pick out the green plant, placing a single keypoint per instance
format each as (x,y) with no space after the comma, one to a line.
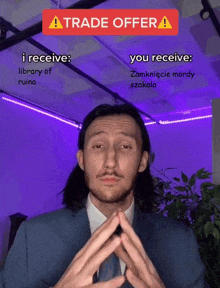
(198,205)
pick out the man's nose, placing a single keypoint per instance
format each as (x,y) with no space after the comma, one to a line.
(110,158)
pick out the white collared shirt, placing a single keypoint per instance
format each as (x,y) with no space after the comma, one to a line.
(96,218)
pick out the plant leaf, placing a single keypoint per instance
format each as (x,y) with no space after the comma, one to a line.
(192,180)
(169,196)
(217,196)
(184,177)
(180,188)
(195,197)
(209,228)
(206,185)
(216,234)
(200,172)
(204,176)
(200,219)
(167,185)
(176,179)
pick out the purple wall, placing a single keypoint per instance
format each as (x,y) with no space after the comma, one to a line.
(186,146)
(36,157)
(38,153)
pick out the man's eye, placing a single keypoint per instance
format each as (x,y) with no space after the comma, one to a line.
(98,146)
(126,147)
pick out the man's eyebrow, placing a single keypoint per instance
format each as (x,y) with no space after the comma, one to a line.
(121,132)
(97,133)
(127,134)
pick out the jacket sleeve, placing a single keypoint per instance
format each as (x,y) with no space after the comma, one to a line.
(16,263)
(195,263)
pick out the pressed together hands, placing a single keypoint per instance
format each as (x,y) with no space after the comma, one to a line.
(140,270)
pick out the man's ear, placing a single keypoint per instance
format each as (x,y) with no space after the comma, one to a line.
(144,160)
(79,156)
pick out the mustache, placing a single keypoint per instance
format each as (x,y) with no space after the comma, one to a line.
(114,173)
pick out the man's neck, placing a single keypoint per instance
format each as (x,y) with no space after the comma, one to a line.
(109,208)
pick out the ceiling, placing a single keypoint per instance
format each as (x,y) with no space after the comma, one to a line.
(106,59)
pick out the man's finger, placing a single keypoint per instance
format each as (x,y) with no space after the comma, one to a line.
(142,268)
(95,261)
(128,229)
(113,283)
(134,280)
(123,255)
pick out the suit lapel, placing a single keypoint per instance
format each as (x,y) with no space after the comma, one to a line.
(80,230)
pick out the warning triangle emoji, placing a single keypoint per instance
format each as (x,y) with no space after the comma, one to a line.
(164,24)
(55,24)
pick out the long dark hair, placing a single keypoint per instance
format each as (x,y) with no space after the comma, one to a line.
(75,192)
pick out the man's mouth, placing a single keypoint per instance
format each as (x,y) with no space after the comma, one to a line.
(110,180)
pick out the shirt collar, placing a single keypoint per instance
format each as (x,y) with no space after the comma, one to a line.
(96,217)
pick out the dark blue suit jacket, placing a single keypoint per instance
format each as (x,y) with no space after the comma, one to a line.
(44,247)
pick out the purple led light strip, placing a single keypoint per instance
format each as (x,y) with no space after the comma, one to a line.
(42,112)
(181,120)
(79,126)
(185,120)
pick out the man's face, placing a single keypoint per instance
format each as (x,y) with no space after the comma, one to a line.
(112,157)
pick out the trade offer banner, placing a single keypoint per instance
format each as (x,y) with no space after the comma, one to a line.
(110,22)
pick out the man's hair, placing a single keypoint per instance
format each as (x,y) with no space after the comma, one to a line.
(75,192)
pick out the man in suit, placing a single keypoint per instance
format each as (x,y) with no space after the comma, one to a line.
(110,189)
